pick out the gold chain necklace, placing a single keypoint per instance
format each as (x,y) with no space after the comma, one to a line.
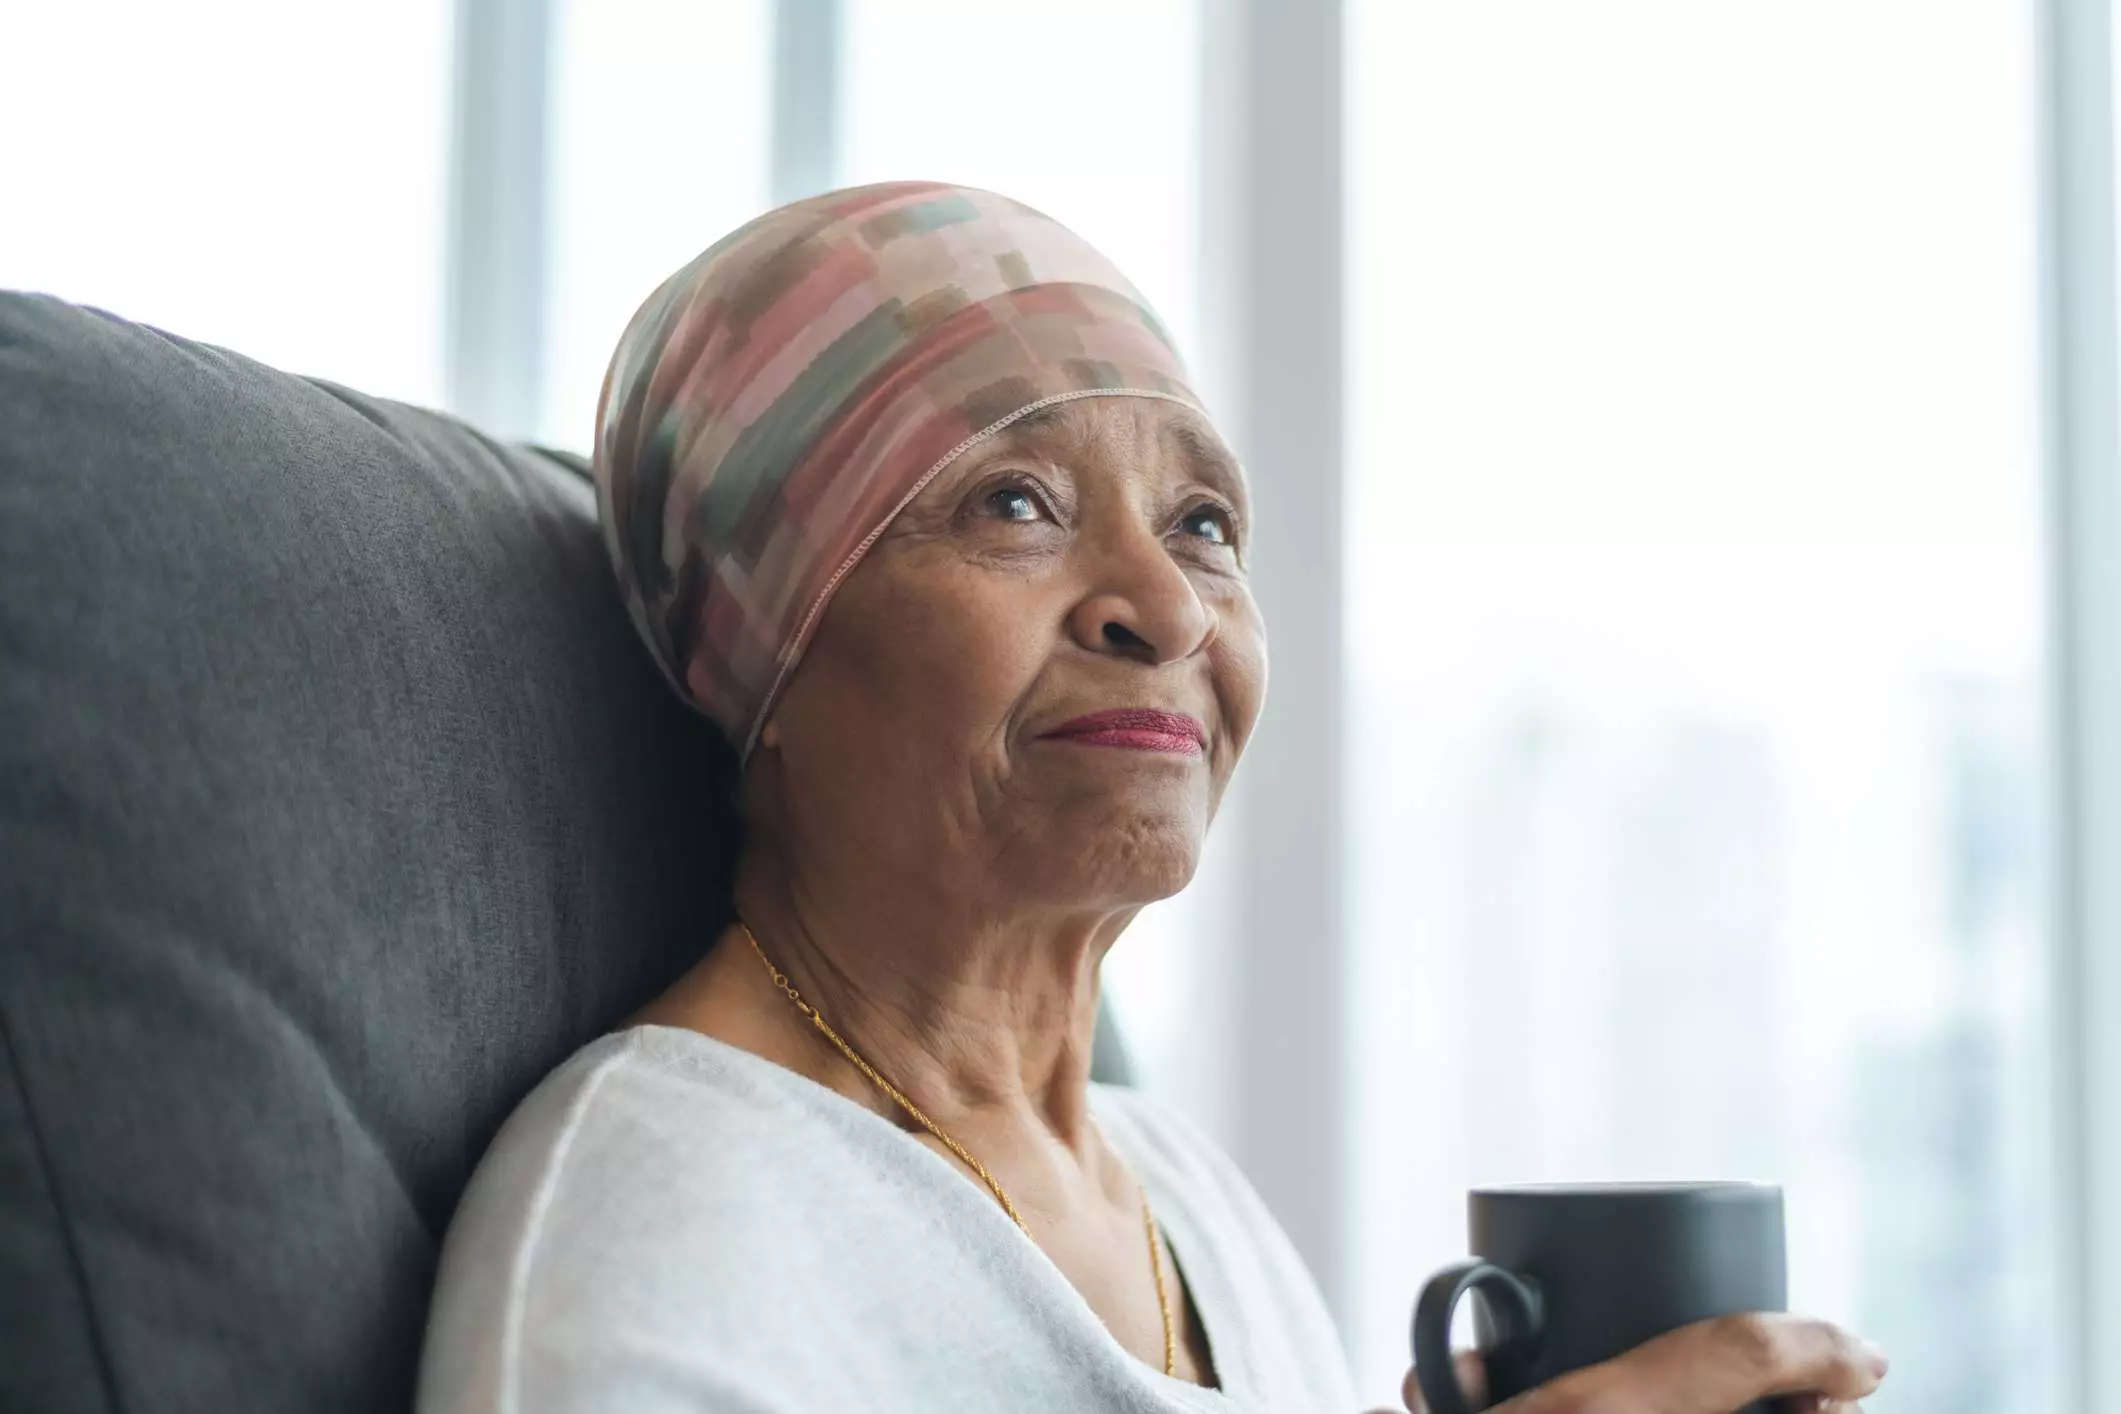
(810,1014)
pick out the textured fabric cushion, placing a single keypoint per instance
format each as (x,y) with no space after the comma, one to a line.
(338,803)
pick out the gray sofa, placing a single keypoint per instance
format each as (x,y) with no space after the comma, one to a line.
(337,804)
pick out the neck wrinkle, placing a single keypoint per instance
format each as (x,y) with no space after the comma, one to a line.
(980,1021)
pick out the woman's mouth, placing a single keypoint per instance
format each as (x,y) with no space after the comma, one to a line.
(1136,729)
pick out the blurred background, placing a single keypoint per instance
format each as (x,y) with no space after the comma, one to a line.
(1684,441)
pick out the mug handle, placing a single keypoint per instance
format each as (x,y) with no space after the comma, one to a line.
(1516,1308)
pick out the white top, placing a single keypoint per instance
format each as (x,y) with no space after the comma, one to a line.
(669,1223)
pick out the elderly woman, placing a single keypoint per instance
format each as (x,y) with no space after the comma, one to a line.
(907,492)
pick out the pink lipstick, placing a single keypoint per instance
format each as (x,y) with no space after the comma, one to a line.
(1136,729)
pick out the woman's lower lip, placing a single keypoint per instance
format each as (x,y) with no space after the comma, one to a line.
(1135,739)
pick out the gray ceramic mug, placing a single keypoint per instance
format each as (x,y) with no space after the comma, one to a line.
(1571,1276)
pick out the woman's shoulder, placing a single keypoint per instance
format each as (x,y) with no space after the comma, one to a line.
(639,1199)
(644,1141)
(649,1114)
(642,1088)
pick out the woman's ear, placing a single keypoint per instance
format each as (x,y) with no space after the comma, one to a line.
(770,734)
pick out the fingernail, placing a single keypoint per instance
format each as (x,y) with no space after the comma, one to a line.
(1875,1358)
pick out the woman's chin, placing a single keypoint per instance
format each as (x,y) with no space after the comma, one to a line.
(1133,857)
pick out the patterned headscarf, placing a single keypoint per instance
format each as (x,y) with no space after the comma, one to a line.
(777,401)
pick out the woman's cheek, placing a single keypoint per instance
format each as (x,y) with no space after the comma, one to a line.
(1241,670)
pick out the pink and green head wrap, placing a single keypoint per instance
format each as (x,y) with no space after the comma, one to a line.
(777,401)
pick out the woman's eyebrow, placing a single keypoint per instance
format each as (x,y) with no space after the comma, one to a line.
(1208,457)
(1043,423)
(1035,435)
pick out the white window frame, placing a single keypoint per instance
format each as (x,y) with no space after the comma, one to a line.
(1272,155)
(807,74)
(494,330)
(2082,386)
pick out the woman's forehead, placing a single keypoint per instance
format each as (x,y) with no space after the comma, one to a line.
(1123,432)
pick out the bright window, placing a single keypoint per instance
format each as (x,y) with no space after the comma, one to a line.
(659,144)
(1092,118)
(1695,645)
(267,176)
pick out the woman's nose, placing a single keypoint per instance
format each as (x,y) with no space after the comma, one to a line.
(1141,605)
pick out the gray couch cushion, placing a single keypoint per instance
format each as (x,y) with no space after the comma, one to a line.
(337,803)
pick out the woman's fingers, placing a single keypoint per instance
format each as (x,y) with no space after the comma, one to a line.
(1472,1378)
(1716,1366)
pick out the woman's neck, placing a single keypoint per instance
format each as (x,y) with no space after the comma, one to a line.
(981,1014)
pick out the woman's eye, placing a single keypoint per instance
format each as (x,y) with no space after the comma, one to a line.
(1209,523)
(1012,503)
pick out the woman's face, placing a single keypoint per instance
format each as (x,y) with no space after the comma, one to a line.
(1041,676)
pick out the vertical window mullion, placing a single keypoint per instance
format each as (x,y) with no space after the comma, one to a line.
(495,303)
(2084,470)
(1271,136)
(806,98)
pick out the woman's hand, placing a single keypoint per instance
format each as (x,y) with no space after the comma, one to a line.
(1714,1367)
